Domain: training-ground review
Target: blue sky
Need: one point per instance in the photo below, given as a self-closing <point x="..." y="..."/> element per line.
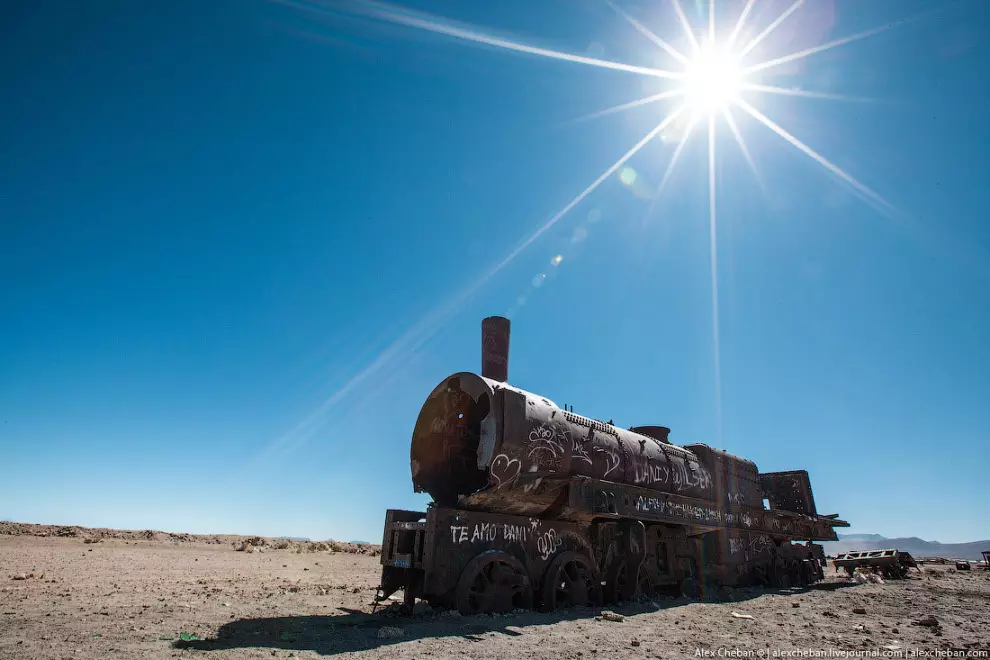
<point x="240" y="242"/>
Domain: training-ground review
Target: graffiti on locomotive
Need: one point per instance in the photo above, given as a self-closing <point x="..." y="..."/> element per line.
<point x="664" y="507"/>
<point x="677" y="475"/>
<point x="546" y="539"/>
<point x="757" y="544"/>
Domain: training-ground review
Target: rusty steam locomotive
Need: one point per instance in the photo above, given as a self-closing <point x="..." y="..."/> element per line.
<point x="534" y="505"/>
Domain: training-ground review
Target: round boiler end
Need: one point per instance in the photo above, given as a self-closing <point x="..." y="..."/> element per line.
<point x="453" y="439"/>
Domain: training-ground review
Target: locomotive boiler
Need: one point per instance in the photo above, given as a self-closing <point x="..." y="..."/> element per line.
<point x="535" y="505"/>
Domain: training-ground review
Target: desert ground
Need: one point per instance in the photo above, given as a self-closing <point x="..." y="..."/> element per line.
<point x="77" y="593"/>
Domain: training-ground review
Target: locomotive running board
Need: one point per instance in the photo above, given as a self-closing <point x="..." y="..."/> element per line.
<point x="605" y="499"/>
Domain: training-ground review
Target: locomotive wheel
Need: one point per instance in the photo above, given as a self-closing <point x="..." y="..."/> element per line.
<point x="649" y="582"/>
<point x="783" y="580"/>
<point x="619" y="584"/>
<point x="571" y="580"/>
<point x="789" y="575"/>
<point x="691" y="587"/>
<point x="494" y="581"/>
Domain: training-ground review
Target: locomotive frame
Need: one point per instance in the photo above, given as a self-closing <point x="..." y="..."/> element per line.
<point x="535" y="506"/>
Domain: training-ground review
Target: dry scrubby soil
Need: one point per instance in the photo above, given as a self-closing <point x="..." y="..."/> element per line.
<point x="125" y="596"/>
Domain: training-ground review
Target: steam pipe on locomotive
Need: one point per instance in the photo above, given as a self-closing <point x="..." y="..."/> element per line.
<point x="534" y="505"/>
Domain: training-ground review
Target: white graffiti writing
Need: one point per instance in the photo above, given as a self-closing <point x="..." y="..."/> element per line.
<point x="650" y="473"/>
<point x="610" y="457"/>
<point x="505" y="469"/>
<point x="515" y="533"/>
<point x="743" y="519"/>
<point x="755" y="545"/>
<point x="678" y="474"/>
<point x="761" y="544"/>
<point x="484" y="532"/>
<point x="546" y="445"/>
<point x="578" y="452"/>
<point x="664" y="507"/>
<point x="548" y="543"/>
<point x="737" y="498"/>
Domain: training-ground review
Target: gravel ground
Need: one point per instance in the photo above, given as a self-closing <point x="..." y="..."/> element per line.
<point x="63" y="597"/>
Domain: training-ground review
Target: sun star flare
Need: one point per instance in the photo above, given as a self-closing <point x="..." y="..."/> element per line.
<point x="713" y="78"/>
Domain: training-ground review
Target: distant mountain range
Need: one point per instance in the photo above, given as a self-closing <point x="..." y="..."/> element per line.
<point x="917" y="547"/>
<point x="861" y="537"/>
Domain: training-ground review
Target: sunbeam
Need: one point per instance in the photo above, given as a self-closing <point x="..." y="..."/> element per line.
<point x="594" y="184"/>
<point x="713" y="259"/>
<point x="825" y="96"/>
<point x="686" y="24"/>
<point x="646" y="32"/>
<point x="677" y="154"/>
<point x="770" y="28"/>
<point x="667" y="172"/>
<point x="734" y="129"/>
<point x="835" y="169"/>
<point x="398" y="352"/>
<point x="821" y="49"/>
<point x="385" y="12"/>
<point x="711" y="21"/>
<point x="401" y="349"/>
<point x="632" y="104"/>
<point x="731" y="41"/>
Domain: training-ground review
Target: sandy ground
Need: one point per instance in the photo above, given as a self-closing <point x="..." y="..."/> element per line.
<point x="125" y="598"/>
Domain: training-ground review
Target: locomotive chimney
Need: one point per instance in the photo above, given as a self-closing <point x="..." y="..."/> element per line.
<point x="495" y="348"/>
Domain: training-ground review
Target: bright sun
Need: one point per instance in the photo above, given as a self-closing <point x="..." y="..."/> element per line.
<point x="712" y="78"/>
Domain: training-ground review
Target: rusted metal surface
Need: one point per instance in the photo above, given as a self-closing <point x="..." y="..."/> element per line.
<point x="932" y="560"/>
<point x="892" y="563"/>
<point x="620" y="501"/>
<point x="454" y="424"/>
<point x="441" y="555"/>
<point x="660" y="433"/>
<point x="789" y="491"/>
<point x="554" y="507"/>
<point x="454" y="538"/>
<point x="492" y="447"/>
<point x="474" y="433"/>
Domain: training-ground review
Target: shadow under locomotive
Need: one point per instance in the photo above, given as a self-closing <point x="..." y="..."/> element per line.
<point x="358" y="631"/>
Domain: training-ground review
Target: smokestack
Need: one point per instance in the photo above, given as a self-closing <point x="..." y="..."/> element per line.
<point x="495" y="348"/>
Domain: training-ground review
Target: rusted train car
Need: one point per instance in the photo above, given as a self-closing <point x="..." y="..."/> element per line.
<point x="537" y="506"/>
